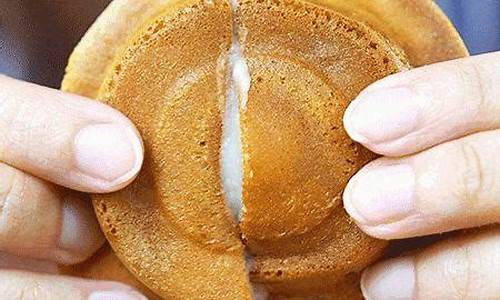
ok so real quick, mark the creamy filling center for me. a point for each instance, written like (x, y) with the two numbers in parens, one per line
(231, 151)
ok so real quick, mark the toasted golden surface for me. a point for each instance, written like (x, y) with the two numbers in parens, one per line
(298, 157)
(92, 59)
(171, 226)
(419, 27)
(307, 60)
(306, 66)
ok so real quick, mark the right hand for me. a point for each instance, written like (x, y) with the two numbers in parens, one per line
(438, 127)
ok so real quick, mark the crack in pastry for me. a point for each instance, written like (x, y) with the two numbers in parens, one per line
(231, 150)
(241, 185)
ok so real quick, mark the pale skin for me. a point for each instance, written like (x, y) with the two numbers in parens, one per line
(437, 127)
(438, 130)
(53, 147)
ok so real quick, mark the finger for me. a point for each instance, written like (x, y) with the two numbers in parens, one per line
(413, 110)
(13, 262)
(33, 286)
(451, 186)
(40, 220)
(462, 268)
(66, 139)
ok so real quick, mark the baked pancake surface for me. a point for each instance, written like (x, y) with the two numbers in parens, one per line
(173, 227)
(172, 219)
(306, 65)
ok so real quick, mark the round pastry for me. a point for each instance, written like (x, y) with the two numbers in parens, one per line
(240, 106)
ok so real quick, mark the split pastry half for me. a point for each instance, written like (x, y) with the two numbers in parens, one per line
(240, 106)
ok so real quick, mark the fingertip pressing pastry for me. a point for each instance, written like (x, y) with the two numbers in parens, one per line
(240, 106)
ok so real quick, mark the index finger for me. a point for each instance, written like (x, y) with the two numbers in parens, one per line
(412, 111)
(67, 139)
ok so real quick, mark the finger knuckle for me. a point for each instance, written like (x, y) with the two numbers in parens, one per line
(21, 123)
(476, 84)
(8, 177)
(30, 290)
(13, 123)
(11, 194)
(474, 176)
(11, 187)
(15, 287)
(20, 285)
(457, 273)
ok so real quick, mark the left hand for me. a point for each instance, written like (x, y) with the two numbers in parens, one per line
(53, 146)
(439, 128)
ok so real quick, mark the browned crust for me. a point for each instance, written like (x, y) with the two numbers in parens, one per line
(92, 58)
(306, 65)
(417, 26)
(170, 227)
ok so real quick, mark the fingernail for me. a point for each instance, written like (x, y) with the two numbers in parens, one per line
(382, 115)
(381, 194)
(116, 295)
(80, 232)
(109, 152)
(390, 280)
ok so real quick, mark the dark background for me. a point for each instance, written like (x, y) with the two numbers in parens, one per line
(478, 21)
(36, 36)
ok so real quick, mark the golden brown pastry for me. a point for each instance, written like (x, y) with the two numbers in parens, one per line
(240, 105)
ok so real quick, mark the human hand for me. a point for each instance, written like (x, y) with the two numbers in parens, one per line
(438, 128)
(53, 144)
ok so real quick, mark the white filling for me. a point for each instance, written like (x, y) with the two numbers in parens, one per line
(231, 162)
(231, 153)
(240, 75)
